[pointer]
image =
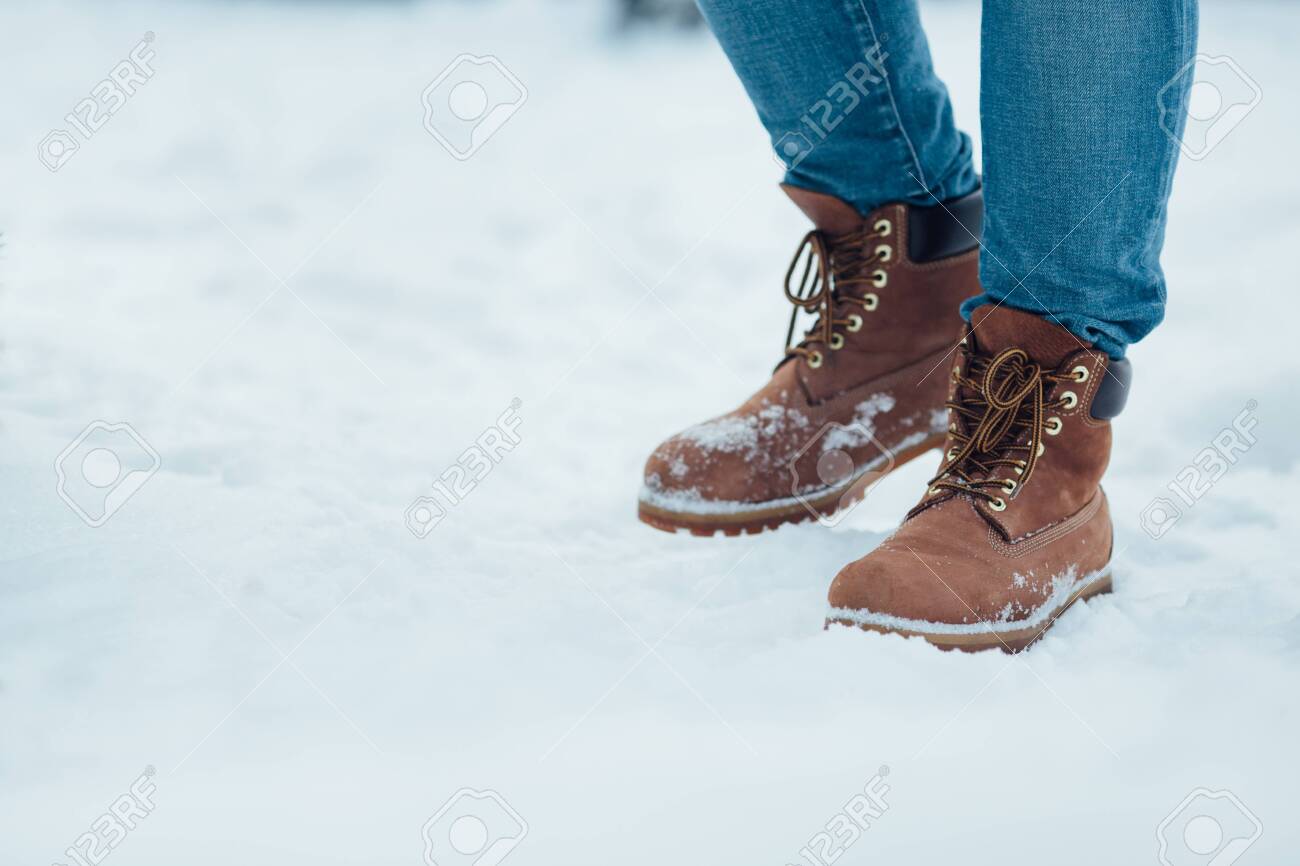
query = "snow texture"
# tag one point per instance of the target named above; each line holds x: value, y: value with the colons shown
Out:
x: 862, y: 428
x: 745, y: 433
x: 312, y: 681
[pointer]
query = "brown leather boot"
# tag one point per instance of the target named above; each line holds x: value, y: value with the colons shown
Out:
x: 858, y: 396
x: 1014, y: 528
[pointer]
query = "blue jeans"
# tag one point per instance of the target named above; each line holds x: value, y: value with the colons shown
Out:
x: 1077, y: 160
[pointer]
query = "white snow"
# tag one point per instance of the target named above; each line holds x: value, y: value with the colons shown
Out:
x: 863, y: 426
x: 312, y: 682
x: 745, y: 433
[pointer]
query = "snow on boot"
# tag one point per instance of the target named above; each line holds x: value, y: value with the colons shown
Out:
x: 1015, y: 527
x: 860, y: 394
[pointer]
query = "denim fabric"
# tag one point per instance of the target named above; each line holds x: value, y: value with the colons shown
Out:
x: 1077, y: 164
x: 816, y: 72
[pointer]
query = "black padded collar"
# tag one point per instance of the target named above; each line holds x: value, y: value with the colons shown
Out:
x: 946, y: 229
x: 1112, y: 393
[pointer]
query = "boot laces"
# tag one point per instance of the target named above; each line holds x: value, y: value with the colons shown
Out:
x: 998, y: 413
x: 835, y: 271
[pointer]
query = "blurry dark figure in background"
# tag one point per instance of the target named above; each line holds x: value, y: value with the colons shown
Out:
x: 679, y: 13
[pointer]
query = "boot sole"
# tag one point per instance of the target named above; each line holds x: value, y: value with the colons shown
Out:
x: 755, y: 520
x: 1010, y: 640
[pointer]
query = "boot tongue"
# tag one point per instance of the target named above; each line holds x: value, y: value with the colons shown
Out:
x: 828, y: 213
x: 999, y: 327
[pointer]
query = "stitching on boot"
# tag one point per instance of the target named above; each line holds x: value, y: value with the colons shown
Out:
x: 1043, y: 536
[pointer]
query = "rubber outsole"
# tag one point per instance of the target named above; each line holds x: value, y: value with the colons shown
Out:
x: 1010, y: 640
x: 756, y: 520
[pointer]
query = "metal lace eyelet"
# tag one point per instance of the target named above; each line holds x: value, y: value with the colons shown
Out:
x: 883, y: 228
x: 870, y: 301
x: 1069, y: 399
x: 998, y: 504
x: 1041, y: 449
x: 879, y: 278
x: 884, y: 252
x: 1081, y: 373
x: 815, y: 360
x: 1009, y: 485
x: 855, y: 323
x: 837, y: 342
x: 1053, y: 426
x: 952, y: 452
x: 935, y: 491
x: 1020, y: 469
x: 956, y: 372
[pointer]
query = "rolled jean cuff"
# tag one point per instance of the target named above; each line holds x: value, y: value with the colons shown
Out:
x: 1110, y: 337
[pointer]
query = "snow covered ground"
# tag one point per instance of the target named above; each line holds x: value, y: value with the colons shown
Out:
x: 265, y: 265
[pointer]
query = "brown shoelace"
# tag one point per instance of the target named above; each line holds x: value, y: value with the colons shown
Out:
x: 999, y: 422
x: 834, y: 270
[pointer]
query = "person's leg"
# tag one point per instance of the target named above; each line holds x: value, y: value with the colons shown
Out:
x: 846, y: 90
x: 1078, y: 165
x: 847, y: 93
x: 1015, y: 527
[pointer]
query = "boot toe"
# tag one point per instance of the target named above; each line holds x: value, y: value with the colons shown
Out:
x: 892, y: 587
x: 863, y: 585
x: 685, y: 470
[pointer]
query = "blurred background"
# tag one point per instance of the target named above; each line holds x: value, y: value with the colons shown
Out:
x: 280, y: 265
